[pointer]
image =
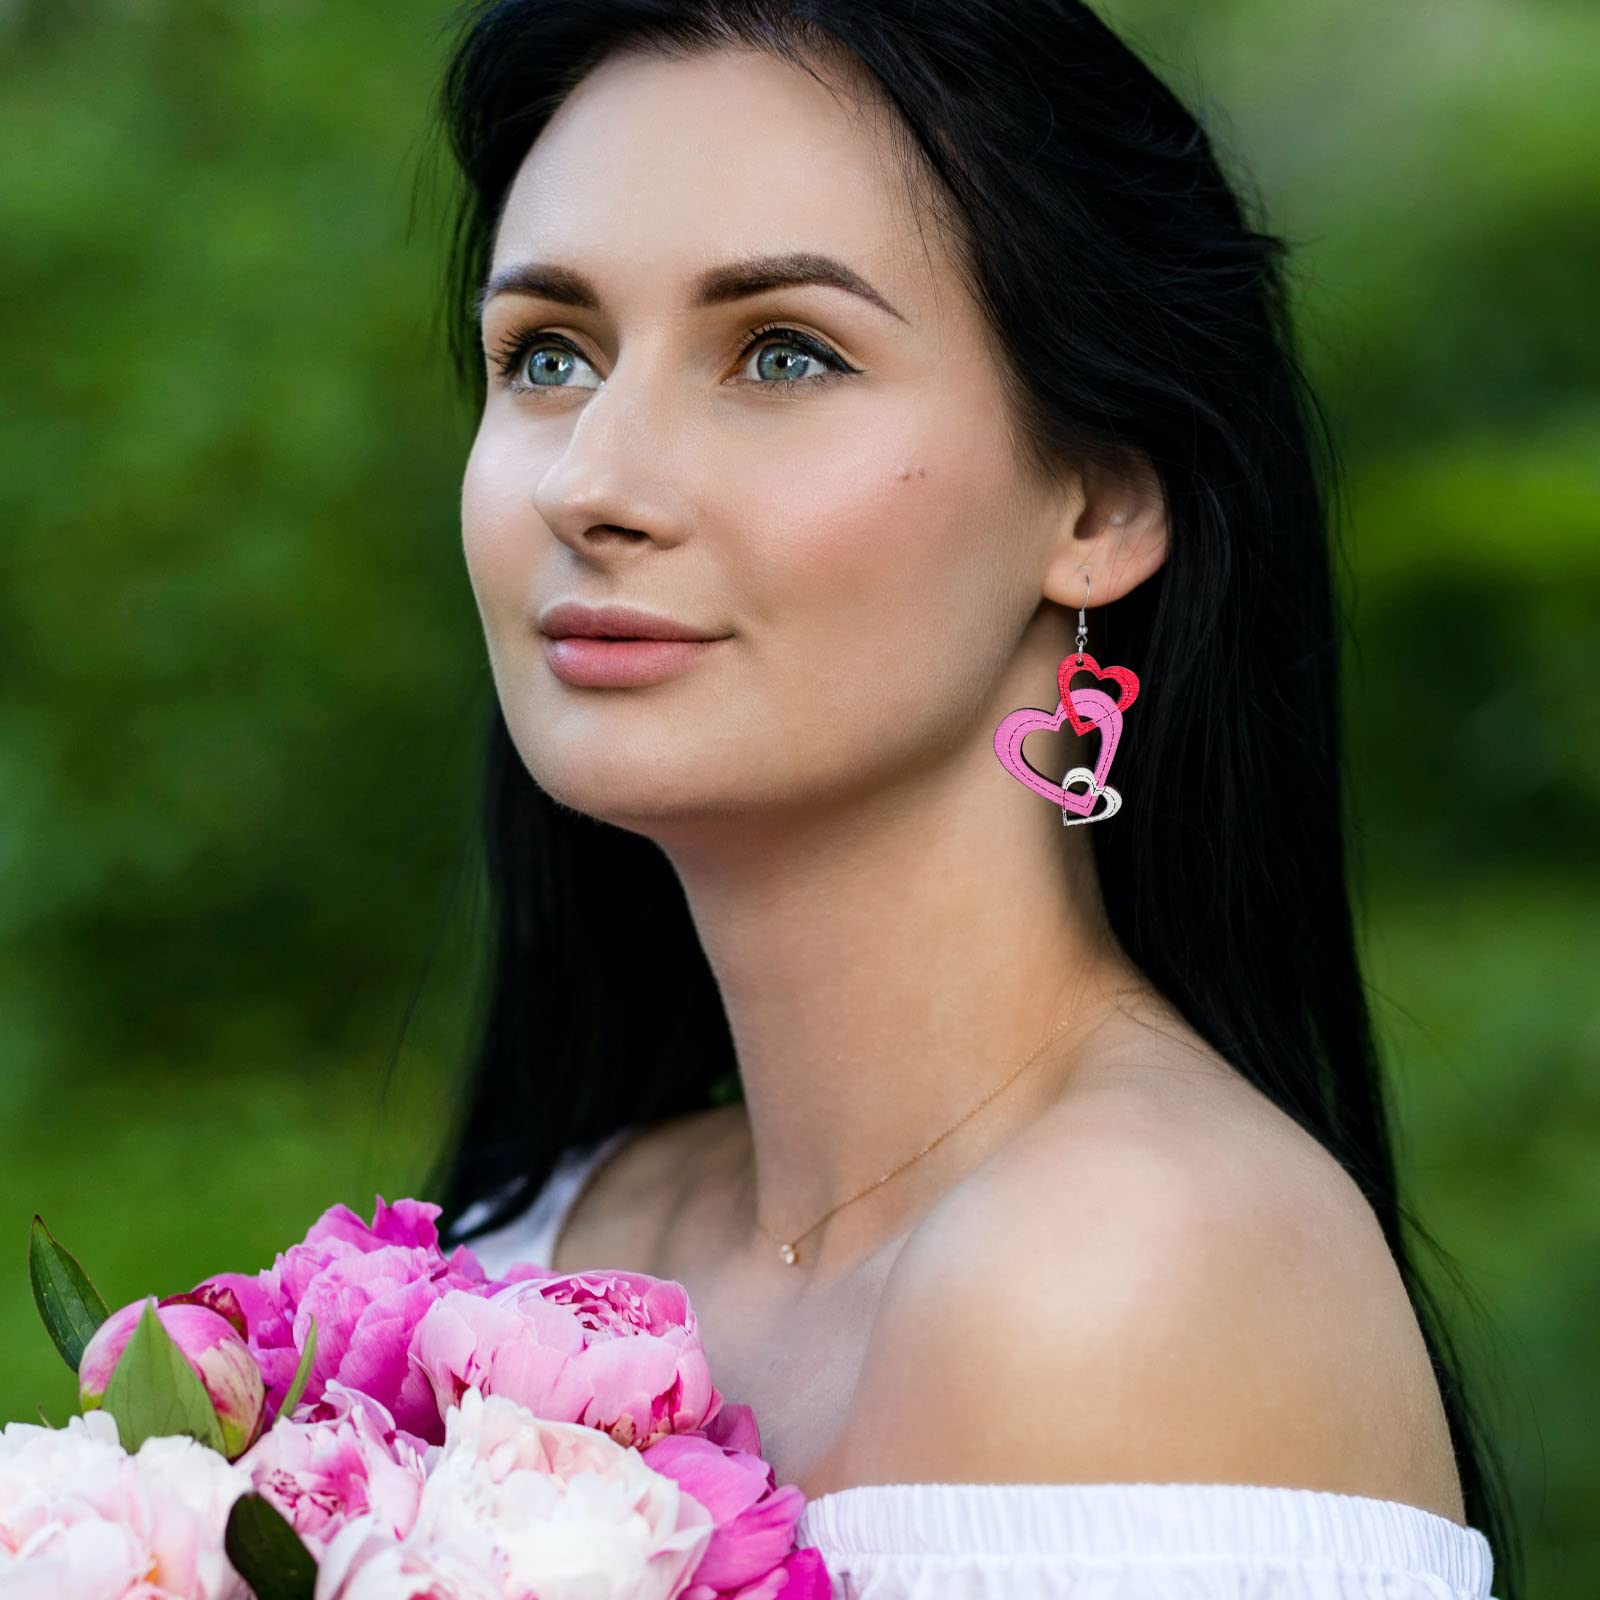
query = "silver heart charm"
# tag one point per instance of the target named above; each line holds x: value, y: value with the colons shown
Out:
x: 1112, y: 799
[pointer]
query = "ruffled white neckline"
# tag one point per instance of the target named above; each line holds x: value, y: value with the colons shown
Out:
x: 1118, y: 1521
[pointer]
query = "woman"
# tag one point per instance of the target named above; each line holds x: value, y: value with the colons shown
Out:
x: 1032, y: 1184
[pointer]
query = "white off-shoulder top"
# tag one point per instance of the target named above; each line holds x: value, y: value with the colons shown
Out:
x: 1084, y: 1541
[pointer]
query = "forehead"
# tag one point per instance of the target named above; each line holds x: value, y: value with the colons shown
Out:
x: 656, y: 166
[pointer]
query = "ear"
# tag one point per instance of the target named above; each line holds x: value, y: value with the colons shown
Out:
x: 1113, y: 532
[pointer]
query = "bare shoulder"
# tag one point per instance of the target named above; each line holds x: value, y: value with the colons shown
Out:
x: 631, y: 1203
x: 1165, y: 1279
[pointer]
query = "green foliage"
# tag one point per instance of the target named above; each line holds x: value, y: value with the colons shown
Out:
x: 241, y: 671
x: 267, y: 1553
x: 302, y: 1373
x: 68, y: 1304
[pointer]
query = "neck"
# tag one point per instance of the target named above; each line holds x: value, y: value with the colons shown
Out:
x: 883, y: 969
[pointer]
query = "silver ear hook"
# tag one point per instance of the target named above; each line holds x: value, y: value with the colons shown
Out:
x: 1083, y: 628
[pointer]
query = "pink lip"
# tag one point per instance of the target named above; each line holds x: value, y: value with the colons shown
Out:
x: 621, y: 663
x: 613, y: 621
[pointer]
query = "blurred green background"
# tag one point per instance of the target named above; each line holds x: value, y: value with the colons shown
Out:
x: 242, y: 678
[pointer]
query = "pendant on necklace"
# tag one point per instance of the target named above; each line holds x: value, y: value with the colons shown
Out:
x: 787, y: 1252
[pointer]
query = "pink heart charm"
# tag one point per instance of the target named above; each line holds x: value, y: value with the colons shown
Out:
x: 1080, y: 661
x: 1093, y: 709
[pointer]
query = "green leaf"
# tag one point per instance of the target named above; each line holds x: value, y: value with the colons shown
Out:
x: 69, y: 1304
x: 267, y: 1552
x: 153, y: 1391
x: 302, y: 1373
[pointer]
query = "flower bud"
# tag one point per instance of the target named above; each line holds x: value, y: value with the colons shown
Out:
x: 211, y: 1345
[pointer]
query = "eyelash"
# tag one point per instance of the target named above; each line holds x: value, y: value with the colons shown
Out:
x: 515, y: 350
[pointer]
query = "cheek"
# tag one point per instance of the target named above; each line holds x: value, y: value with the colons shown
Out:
x: 496, y: 523
x: 880, y: 597
x: 852, y: 526
x: 901, y: 549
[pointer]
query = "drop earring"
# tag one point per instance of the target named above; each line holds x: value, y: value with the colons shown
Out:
x: 1084, y: 708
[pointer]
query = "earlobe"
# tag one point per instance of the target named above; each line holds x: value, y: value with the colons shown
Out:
x: 1117, y: 553
x: 1114, y: 528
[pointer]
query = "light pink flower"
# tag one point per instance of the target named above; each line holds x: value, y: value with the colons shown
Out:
x: 208, y: 1342
x: 751, y: 1555
x: 81, y: 1519
x: 383, y: 1570
x: 343, y: 1458
x: 367, y: 1287
x: 618, y: 1351
x: 517, y: 1505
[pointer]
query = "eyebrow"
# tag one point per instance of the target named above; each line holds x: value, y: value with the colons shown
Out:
x: 736, y: 280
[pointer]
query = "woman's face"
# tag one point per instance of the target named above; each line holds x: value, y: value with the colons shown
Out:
x: 859, y: 537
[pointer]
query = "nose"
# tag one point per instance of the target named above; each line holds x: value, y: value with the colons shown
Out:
x: 612, y: 484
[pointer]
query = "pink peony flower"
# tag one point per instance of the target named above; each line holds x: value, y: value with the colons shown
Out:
x: 367, y: 1287
x: 805, y: 1577
x: 209, y: 1343
x: 343, y: 1458
x: 751, y: 1555
x: 618, y: 1351
x: 516, y: 1505
x: 442, y: 1571
x: 81, y: 1519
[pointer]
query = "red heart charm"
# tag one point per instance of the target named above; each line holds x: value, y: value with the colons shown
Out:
x: 1075, y: 663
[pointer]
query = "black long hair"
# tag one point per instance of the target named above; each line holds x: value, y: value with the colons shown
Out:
x: 1142, y: 316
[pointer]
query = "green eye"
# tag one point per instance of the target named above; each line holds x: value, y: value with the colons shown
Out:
x: 812, y: 350
x: 556, y: 358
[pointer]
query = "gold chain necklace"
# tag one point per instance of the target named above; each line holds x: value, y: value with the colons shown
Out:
x: 786, y: 1247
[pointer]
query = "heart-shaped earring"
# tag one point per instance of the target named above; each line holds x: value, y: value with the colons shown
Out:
x: 1085, y: 709
x: 1113, y: 797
